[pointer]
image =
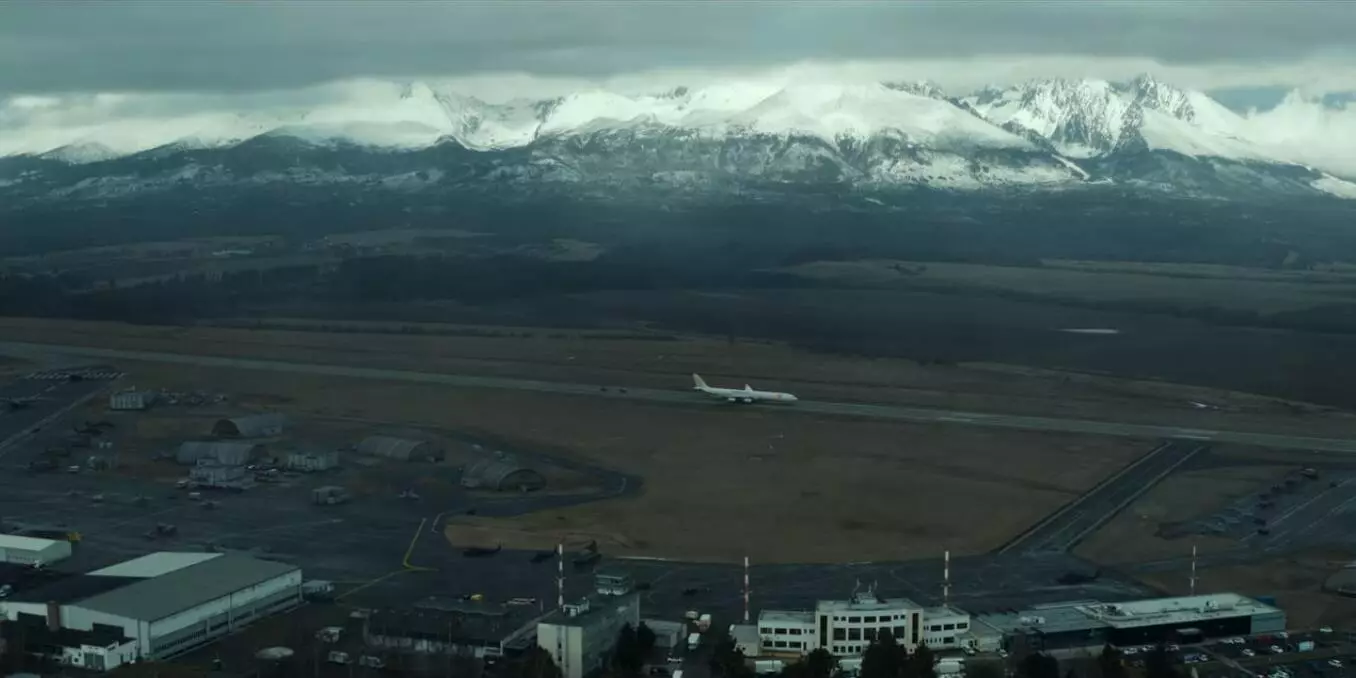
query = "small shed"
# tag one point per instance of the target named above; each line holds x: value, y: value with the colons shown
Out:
x: 131, y: 400
x: 212, y: 474
x: 251, y: 426
x: 405, y: 449
x: 220, y: 452
x: 32, y: 550
x: 502, y: 474
x: 311, y: 461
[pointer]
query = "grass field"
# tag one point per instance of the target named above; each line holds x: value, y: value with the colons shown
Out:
x: 720, y: 483
x: 601, y: 358
x: 1219, y: 287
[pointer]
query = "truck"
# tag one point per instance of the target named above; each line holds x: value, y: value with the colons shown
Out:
x: 693, y: 640
x: 704, y: 623
x: 950, y: 666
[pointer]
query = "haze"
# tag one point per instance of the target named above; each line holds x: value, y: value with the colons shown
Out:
x: 158, y: 46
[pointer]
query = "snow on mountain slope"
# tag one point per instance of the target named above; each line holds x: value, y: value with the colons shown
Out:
x: 1089, y: 118
x: 1044, y: 133
x: 1308, y: 131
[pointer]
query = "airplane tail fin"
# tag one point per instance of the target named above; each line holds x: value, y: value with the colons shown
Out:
x: 697, y: 381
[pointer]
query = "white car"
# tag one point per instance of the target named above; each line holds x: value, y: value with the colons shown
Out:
x: 1247, y: 652
x: 1174, y: 647
x: 1335, y: 663
x: 1325, y: 629
x: 1129, y: 651
x: 1276, y: 649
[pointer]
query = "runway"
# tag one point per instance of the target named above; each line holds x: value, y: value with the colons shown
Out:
x: 856, y: 410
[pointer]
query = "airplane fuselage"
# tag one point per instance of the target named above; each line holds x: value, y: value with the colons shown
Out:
x: 741, y: 395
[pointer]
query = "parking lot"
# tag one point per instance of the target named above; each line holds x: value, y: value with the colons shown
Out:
x: 1317, y: 654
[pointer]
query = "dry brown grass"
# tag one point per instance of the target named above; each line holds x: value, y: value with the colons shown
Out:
x: 722, y: 482
x: 668, y: 364
x: 1133, y: 535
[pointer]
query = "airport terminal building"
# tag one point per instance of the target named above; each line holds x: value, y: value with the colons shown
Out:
x: 1142, y: 622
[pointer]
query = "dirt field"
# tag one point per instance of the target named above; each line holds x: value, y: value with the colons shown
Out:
x: 659, y: 363
x: 719, y: 482
x: 1221, y: 287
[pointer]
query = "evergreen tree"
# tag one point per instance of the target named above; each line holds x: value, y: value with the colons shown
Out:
x: 536, y: 662
x: 726, y: 659
x: 884, y: 658
x: 645, y: 639
x: 1158, y: 664
x: 1111, y: 663
x: 820, y: 663
x: 921, y: 664
x: 627, y: 658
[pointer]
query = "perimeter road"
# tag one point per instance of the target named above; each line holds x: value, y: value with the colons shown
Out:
x: 889, y: 412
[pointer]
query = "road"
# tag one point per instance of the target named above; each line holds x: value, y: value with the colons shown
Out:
x: 1067, y: 527
x: 858, y: 410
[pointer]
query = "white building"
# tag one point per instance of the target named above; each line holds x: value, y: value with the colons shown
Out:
x: 946, y: 628
x: 581, y: 637
x: 167, y: 602
x: 843, y: 627
x: 32, y: 551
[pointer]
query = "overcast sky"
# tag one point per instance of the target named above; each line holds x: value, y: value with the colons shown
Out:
x: 176, y: 45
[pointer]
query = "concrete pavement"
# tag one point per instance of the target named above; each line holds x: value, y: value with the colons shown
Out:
x: 858, y: 410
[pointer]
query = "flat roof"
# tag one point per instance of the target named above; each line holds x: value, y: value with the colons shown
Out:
x: 1048, y: 619
x: 70, y: 589
x: 1184, y: 609
x: 600, y: 607
x: 786, y: 616
x: 159, y: 597
x: 943, y: 611
x: 448, y: 625
x: 864, y: 604
x: 155, y: 564
x: 14, y: 541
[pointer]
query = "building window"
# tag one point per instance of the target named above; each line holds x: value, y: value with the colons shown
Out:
x: 780, y: 643
x: 961, y: 626
x: 766, y: 632
x: 795, y: 632
x: 854, y: 620
x: 854, y: 634
x: 840, y: 634
x: 869, y: 635
x: 949, y: 627
x: 869, y: 620
x: 949, y: 640
x: 899, y: 631
x: 781, y: 632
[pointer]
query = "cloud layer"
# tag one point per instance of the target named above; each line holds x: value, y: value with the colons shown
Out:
x: 232, y: 46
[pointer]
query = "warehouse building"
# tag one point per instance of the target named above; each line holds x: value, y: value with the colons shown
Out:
x: 452, y: 628
x: 501, y: 474
x: 581, y: 636
x: 251, y: 426
x: 32, y: 551
x: 1142, y: 622
x: 167, y: 603
x: 403, y: 449
x: 227, y: 453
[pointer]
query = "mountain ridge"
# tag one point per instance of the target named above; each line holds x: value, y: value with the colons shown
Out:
x: 1051, y: 134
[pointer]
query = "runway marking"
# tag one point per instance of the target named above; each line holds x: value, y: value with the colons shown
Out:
x: 405, y: 562
x: 371, y: 583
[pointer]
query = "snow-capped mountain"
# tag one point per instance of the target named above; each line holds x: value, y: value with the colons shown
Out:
x: 1040, y: 135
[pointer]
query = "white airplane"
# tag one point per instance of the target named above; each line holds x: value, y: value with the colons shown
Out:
x: 744, y: 395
